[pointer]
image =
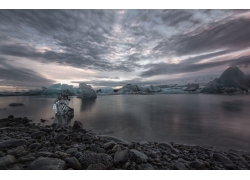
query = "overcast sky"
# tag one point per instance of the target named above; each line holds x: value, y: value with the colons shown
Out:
x: 109, y: 48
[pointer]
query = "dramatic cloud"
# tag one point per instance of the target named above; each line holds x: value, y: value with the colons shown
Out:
x: 116, y: 44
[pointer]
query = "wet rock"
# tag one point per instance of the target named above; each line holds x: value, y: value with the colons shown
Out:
x: 19, y: 151
x: 179, y: 166
x: 10, y: 116
x: 156, y: 154
x: 62, y: 155
x: 137, y: 156
x: 73, y: 163
x: 198, y: 165
x: 94, y: 158
x: 77, y: 125
x: 71, y: 150
x: 82, y: 131
x: 112, y: 138
x: 13, y: 143
x: 94, y: 147
x: 143, y: 143
x: 165, y: 145
x: 44, y: 153
x: 26, y: 158
x: 100, y: 150
x: 109, y: 145
x: 7, y: 160
x: 222, y: 159
x: 60, y: 138
x: 25, y: 120
x: 48, y: 164
x: 121, y: 157
x: 37, y: 134
x: 34, y: 146
x: 98, y: 166
x: 78, y: 155
x: 116, y: 148
x: 146, y: 166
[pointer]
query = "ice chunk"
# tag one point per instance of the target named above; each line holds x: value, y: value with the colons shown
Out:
x: 136, y: 88
x: 87, y: 91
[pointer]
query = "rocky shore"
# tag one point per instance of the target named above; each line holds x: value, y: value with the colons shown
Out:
x: 27, y: 146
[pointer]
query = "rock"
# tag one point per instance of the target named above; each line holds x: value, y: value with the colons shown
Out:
x: 112, y: 138
x: 100, y: 150
x: 34, y: 146
x: 98, y: 166
x: 179, y: 166
x: 10, y: 116
x: 60, y: 138
x: 146, y: 166
x: 137, y: 156
x: 116, y: 148
x: 156, y: 154
x: 16, y: 104
x: 77, y: 125
x: 25, y: 120
x: 109, y: 145
x: 121, y: 157
x: 165, y: 145
x: 73, y: 163
x: 19, y: 151
x: 198, y: 165
x: 71, y: 150
x: 7, y: 160
x: 83, y: 131
x: 78, y: 155
x: 143, y: 143
x: 48, y: 164
x: 44, y: 153
x: 94, y: 158
x: 37, y: 134
x: 13, y: 143
x: 26, y: 158
x: 222, y: 159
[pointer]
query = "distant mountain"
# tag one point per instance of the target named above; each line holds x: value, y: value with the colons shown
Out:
x: 231, y: 80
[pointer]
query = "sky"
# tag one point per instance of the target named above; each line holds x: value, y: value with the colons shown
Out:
x: 110, y: 48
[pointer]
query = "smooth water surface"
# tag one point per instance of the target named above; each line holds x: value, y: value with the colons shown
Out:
x: 222, y: 121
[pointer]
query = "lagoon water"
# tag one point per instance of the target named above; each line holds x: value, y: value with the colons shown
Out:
x: 222, y: 121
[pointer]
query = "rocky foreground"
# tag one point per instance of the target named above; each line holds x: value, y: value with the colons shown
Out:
x: 27, y: 146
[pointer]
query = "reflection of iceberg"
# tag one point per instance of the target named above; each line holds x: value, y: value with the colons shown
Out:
x: 136, y: 88
x: 105, y: 91
x: 62, y: 119
x: 56, y: 89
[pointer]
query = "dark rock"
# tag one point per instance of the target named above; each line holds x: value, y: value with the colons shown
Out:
x: 179, y: 166
x: 48, y: 164
x: 37, y: 134
x: 78, y: 155
x: 26, y: 158
x: 116, y: 148
x: 71, y: 150
x: 112, y: 138
x: 16, y: 104
x: 44, y: 153
x: 137, y: 156
x: 73, y: 163
x: 146, y: 166
x: 34, y: 145
x: 109, y: 145
x: 19, y: 151
x: 100, y: 150
x: 98, y: 166
x: 77, y: 125
x: 198, y: 165
x: 60, y: 138
x: 94, y: 158
x: 83, y: 131
x: 25, y: 120
x: 121, y: 157
x: 7, y: 160
x: 166, y: 145
x: 156, y: 154
x: 13, y: 143
x: 143, y: 143
x: 94, y: 147
x: 10, y: 116
x: 222, y: 159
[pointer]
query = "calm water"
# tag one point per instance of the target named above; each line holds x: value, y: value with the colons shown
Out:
x: 213, y: 120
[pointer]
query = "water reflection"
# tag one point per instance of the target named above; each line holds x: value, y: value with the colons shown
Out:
x: 87, y: 104
x: 233, y: 106
x: 62, y: 119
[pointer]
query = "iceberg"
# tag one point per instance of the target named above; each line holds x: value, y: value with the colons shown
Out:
x: 105, y: 91
x: 56, y: 89
x: 136, y: 88
x: 231, y: 80
x: 86, y: 91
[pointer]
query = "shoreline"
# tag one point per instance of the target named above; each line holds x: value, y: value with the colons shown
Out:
x: 26, y: 146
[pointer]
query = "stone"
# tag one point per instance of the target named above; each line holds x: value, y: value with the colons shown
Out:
x: 146, y: 166
x: 77, y: 125
x: 143, y: 143
x: 34, y: 146
x: 98, y: 166
x: 222, y: 159
x: 83, y: 131
x: 71, y: 150
x: 137, y: 156
x: 100, y: 150
x: 19, y: 151
x: 26, y: 158
x: 44, y: 153
x: 165, y: 145
x: 25, y: 120
x: 73, y: 163
x: 94, y: 147
x: 10, y: 116
x: 7, y: 160
x: 48, y: 164
x: 179, y: 166
x: 37, y: 134
x: 156, y: 154
x: 94, y: 158
x: 121, y: 157
x: 116, y: 148
x: 109, y: 145
x: 198, y: 165
x: 13, y: 143
x: 60, y: 138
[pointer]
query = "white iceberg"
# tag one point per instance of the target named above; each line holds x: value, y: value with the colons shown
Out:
x: 56, y: 89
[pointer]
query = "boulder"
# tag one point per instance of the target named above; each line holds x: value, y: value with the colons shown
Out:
x: 7, y: 160
x: 121, y: 157
x: 48, y: 164
x: 77, y: 125
x: 166, y: 145
x: 98, y: 166
x: 73, y: 163
x: 13, y: 143
x: 137, y: 156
